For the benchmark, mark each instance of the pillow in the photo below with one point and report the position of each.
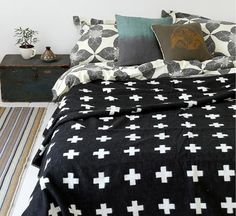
(91, 21)
(137, 43)
(181, 42)
(98, 43)
(220, 36)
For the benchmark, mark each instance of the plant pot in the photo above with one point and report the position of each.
(27, 52)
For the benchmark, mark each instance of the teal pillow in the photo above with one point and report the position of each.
(137, 43)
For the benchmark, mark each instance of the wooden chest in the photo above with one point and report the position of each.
(30, 80)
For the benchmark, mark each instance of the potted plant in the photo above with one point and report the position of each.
(26, 38)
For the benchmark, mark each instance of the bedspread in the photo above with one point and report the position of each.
(140, 148)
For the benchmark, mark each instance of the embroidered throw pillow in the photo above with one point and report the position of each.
(181, 42)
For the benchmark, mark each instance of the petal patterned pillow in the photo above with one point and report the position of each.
(220, 36)
(98, 43)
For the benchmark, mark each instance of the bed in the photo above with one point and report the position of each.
(156, 138)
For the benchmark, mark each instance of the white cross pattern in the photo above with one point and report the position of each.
(164, 174)
(185, 96)
(157, 90)
(162, 149)
(160, 97)
(131, 151)
(131, 89)
(107, 90)
(232, 107)
(135, 208)
(226, 173)
(71, 154)
(190, 135)
(132, 177)
(180, 89)
(186, 115)
(86, 98)
(133, 137)
(175, 81)
(208, 107)
(188, 125)
(70, 180)
(104, 210)
(159, 116)
(101, 153)
(223, 147)
(101, 180)
(113, 109)
(193, 148)
(50, 147)
(220, 135)
(132, 127)
(74, 139)
(43, 181)
(104, 127)
(198, 81)
(216, 125)
(106, 82)
(191, 103)
(160, 126)
(106, 119)
(221, 79)
(195, 173)
(62, 103)
(103, 138)
(229, 205)
(74, 211)
(212, 116)
(130, 83)
(153, 82)
(132, 117)
(87, 106)
(85, 90)
(111, 98)
(166, 206)
(162, 136)
(135, 98)
(202, 88)
(77, 126)
(198, 205)
(53, 211)
(47, 162)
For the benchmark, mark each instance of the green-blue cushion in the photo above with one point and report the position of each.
(137, 43)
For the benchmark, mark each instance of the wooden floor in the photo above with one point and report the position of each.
(29, 177)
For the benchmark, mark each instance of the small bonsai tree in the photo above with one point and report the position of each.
(26, 37)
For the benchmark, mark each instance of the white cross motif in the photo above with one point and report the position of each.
(160, 126)
(209, 94)
(70, 180)
(74, 211)
(191, 103)
(133, 137)
(86, 98)
(47, 162)
(132, 117)
(185, 96)
(221, 79)
(104, 127)
(190, 135)
(55, 132)
(132, 127)
(198, 81)
(62, 117)
(101, 153)
(101, 180)
(194, 173)
(216, 125)
(180, 89)
(106, 82)
(153, 82)
(193, 148)
(132, 177)
(87, 106)
(138, 109)
(202, 88)
(103, 211)
(226, 173)
(110, 98)
(131, 151)
(85, 111)
(74, 139)
(62, 103)
(220, 135)
(43, 181)
(85, 90)
(229, 205)
(135, 98)
(162, 136)
(160, 97)
(158, 116)
(162, 149)
(77, 126)
(113, 109)
(135, 208)
(208, 107)
(106, 119)
(103, 138)
(176, 81)
(164, 174)
(232, 107)
(223, 147)
(186, 115)
(130, 83)
(107, 90)
(188, 125)
(50, 147)
(131, 89)
(212, 116)
(71, 154)
(53, 211)
(166, 206)
(198, 205)
(157, 90)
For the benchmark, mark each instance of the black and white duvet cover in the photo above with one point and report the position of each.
(163, 146)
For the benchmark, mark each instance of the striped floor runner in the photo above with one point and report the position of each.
(18, 130)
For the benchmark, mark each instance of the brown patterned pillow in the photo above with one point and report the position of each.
(181, 42)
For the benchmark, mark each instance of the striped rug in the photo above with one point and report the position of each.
(18, 129)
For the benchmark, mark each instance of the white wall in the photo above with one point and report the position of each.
(53, 18)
